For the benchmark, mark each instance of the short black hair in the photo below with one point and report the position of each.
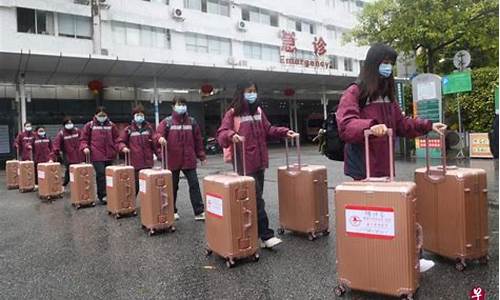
(27, 122)
(66, 120)
(39, 127)
(179, 100)
(100, 109)
(138, 109)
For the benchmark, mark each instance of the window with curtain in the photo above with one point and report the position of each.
(140, 35)
(207, 44)
(257, 15)
(74, 26)
(261, 52)
(334, 63)
(348, 64)
(133, 35)
(35, 21)
(218, 7)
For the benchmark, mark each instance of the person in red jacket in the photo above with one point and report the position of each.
(370, 104)
(42, 149)
(99, 139)
(24, 142)
(182, 135)
(138, 140)
(67, 144)
(255, 130)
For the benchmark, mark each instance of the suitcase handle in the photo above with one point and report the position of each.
(163, 153)
(368, 132)
(435, 176)
(235, 164)
(287, 152)
(127, 158)
(87, 158)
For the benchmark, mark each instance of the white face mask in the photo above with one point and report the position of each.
(180, 109)
(102, 119)
(28, 128)
(69, 126)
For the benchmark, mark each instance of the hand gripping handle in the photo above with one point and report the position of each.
(368, 132)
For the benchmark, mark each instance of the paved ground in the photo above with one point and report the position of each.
(51, 251)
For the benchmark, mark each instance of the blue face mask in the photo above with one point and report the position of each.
(385, 70)
(250, 97)
(139, 119)
(180, 109)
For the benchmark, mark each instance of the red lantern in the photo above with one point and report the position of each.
(289, 92)
(95, 86)
(206, 89)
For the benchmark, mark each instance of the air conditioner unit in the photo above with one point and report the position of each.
(242, 25)
(83, 2)
(178, 13)
(104, 52)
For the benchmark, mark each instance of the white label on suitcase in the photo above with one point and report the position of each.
(71, 177)
(142, 185)
(109, 181)
(369, 222)
(214, 205)
(41, 175)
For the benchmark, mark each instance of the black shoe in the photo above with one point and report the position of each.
(102, 202)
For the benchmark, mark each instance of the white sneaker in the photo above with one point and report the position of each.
(200, 217)
(425, 265)
(176, 216)
(270, 243)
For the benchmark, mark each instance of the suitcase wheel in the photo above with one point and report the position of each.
(230, 263)
(172, 229)
(484, 260)
(208, 252)
(93, 204)
(151, 232)
(255, 257)
(281, 231)
(326, 233)
(311, 236)
(339, 290)
(407, 297)
(117, 216)
(460, 265)
(134, 213)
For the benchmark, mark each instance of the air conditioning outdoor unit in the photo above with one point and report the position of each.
(104, 51)
(178, 13)
(242, 25)
(83, 2)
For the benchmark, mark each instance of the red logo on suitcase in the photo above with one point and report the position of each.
(477, 293)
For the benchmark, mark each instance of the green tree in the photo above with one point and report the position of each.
(477, 106)
(431, 28)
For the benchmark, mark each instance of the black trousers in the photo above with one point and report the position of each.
(66, 174)
(194, 189)
(265, 232)
(100, 177)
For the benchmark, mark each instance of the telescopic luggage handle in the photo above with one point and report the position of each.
(235, 161)
(287, 152)
(369, 132)
(127, 158)
(87, 158)
(434, 175)
(163, 153)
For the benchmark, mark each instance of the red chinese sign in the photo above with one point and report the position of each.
(319, 46)
(477, 293)
(288, 41)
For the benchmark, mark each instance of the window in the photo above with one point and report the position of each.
(35, 21)
(305, 54)
(299, 25)
(74, 26)
(334, 62)
(261, 52)
(167, 2)
(140, 35)
(257, 15)
(207, 44)
(348, 64)
(218, 7)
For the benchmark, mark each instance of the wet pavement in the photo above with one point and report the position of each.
(51, 251)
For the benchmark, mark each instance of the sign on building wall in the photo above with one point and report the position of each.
(289, 54)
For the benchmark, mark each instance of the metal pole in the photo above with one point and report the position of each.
(324, 101)
(156, 100)
(22, 91)
(95, 10)
(460, 154)
(295, 116)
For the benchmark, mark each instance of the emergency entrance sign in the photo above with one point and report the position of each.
(215, 205)
(370, 222)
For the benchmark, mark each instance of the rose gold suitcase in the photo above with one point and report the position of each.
(49, 181)
(26, 176)
(231, 216)
(11, 170)
(453, 211)
(82, 184)
(303, 197)
(120, 190)
(157, 198)
(377, 233)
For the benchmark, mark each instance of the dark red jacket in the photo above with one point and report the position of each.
(256, 129)
(353, 120)
(101, 139)
(67, 142)
(42, 149)
(140, 141)
(24, 144)
(184, 141)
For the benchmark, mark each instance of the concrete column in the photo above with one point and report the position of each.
(22, 99)
(156, 101)
(96, 26)
(324, 101)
